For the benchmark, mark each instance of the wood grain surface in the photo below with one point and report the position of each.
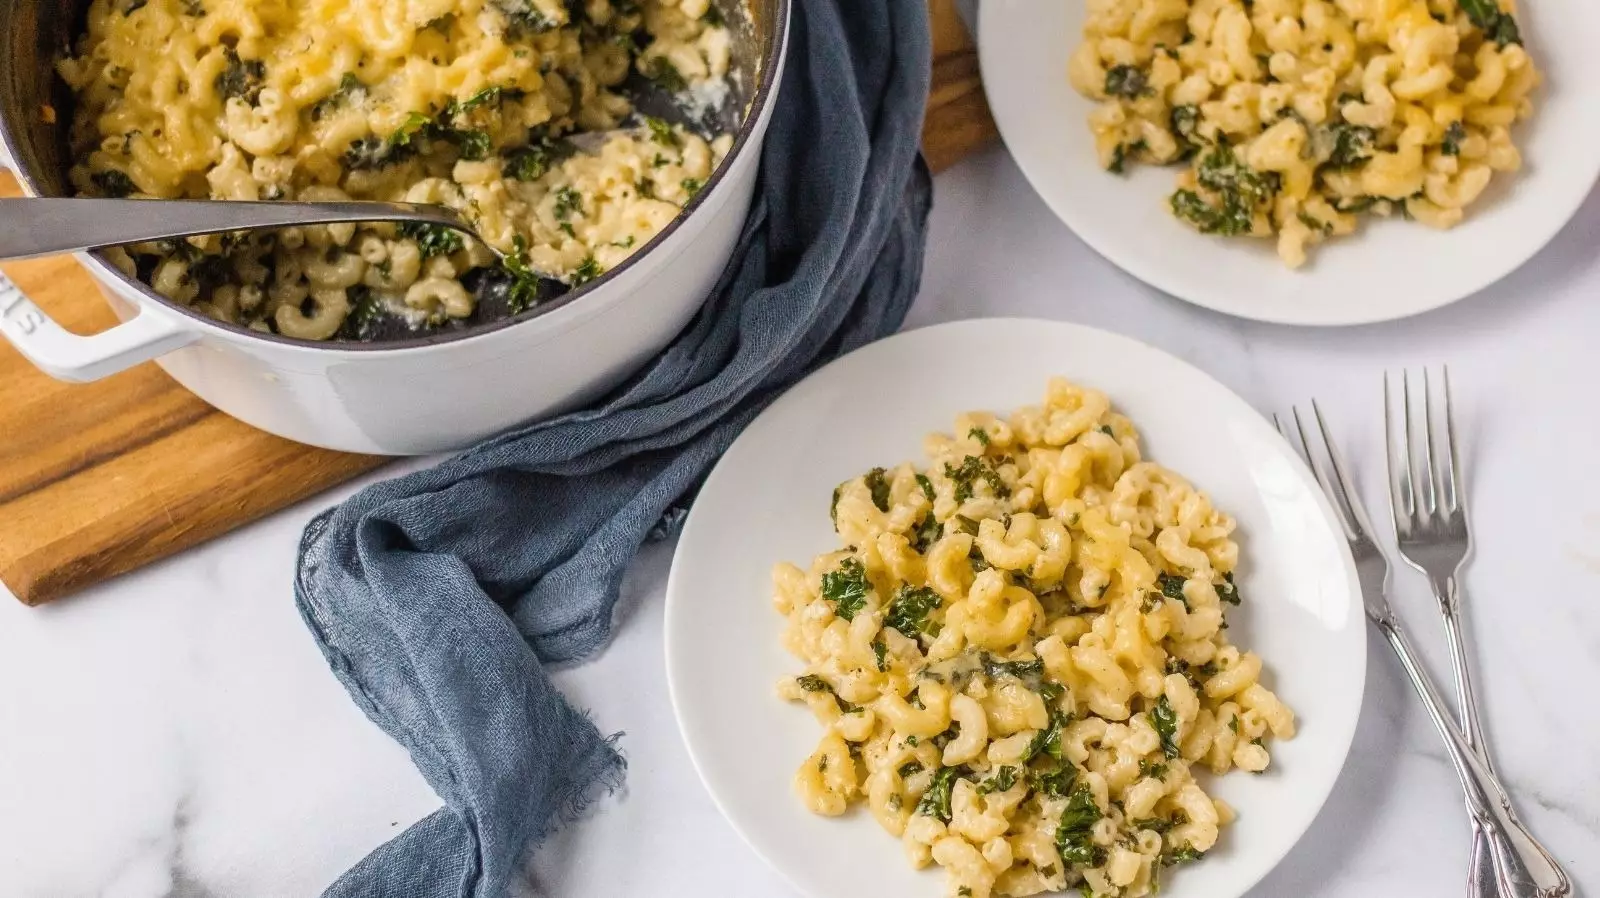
(102, 478)
(958, 122)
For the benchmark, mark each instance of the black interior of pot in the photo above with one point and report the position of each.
(35, 103)
(36, 113)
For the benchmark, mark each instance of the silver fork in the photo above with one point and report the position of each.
(1529, 871)
(1429, 510)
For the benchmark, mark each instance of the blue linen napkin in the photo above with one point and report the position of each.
(438, 597)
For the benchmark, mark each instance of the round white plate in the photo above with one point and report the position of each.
(1388, 269)
(767, 501)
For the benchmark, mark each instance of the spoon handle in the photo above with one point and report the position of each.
(52, 226)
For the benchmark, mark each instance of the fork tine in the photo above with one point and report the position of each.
(1346, 483)
(1452, 460)
(1421, 481)
(1413, 486)
(1336, 497)
(1399, 484)
(1435, 497)
(1402, 454)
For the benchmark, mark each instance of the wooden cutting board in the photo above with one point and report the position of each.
(97, 479)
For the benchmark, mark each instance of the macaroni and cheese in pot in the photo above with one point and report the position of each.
(464, 103)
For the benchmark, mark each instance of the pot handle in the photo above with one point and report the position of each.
(67, 356)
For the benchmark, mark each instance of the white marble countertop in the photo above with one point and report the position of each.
(175, 733)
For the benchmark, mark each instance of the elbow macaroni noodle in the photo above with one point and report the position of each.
(458, 102)
(1020, 657)
(1295, 116)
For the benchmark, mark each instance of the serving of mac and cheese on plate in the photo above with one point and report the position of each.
(1020, 655)
(464, 103)
(1398, 155)
(1294, 118)
(1038, 659)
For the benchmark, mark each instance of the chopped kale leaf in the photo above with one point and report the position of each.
(1126, 81)
(1181, 855)
(524, 18)
(474, 145)
(1022, 670)
(1165, 721)
(567, 202)
(1156, 824)
(660, 131)
(936, 801)
(1314, 223)
(1172, 587)
(1119, 156)
(1185, 122)
(813, 683)
(846, 587)
(1057, 780)
(241, 78)
(909, 610)
(1353, 146)
(926, 534)
(1157, 770)
(530, 163)
(1045, 742)
(365, 310)
(1228, 592)
(1496, 24)
(113, 183)
(432, 239)
(1075, 832)
(972, 470)
(878, 486)
(1002, 781)
(523, 292)
(587, 270)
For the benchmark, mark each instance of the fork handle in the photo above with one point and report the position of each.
(1447, 592)
(1482, 878)
(1523, 868)
(1482, 875)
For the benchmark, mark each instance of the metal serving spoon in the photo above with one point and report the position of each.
(53, 226)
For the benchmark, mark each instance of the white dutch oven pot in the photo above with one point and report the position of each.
(430, 394)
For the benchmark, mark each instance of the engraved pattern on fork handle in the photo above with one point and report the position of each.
(1523, 868)
(1488, 859)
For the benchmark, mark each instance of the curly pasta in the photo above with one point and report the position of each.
(1020, 656)
(1296, 116)
(462, 103)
